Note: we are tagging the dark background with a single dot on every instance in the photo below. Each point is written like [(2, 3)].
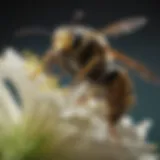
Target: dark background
[(143, 45)]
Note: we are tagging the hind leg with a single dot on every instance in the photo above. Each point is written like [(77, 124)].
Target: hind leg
[(119, 98)]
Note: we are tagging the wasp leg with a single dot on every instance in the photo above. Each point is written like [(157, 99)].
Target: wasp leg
[(119, 99), (83, 99), (47, 60), (82, 73)]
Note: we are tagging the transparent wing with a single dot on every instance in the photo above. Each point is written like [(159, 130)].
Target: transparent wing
[(124, 26), (135, 65)]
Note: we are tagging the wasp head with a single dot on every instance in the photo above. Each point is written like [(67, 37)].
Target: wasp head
[(62, 41)]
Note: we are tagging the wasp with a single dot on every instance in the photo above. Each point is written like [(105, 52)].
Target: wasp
[(85, 53)]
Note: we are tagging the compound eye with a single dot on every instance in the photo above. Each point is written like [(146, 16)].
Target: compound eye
[(77, 40)]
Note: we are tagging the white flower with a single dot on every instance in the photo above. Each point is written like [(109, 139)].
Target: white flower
[(81, 127)]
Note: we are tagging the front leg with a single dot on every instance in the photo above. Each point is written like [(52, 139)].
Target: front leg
[(47, 60)]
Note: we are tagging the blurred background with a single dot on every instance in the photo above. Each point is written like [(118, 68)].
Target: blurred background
[(143, 45)]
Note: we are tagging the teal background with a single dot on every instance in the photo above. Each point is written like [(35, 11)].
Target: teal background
[(143, 45)]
